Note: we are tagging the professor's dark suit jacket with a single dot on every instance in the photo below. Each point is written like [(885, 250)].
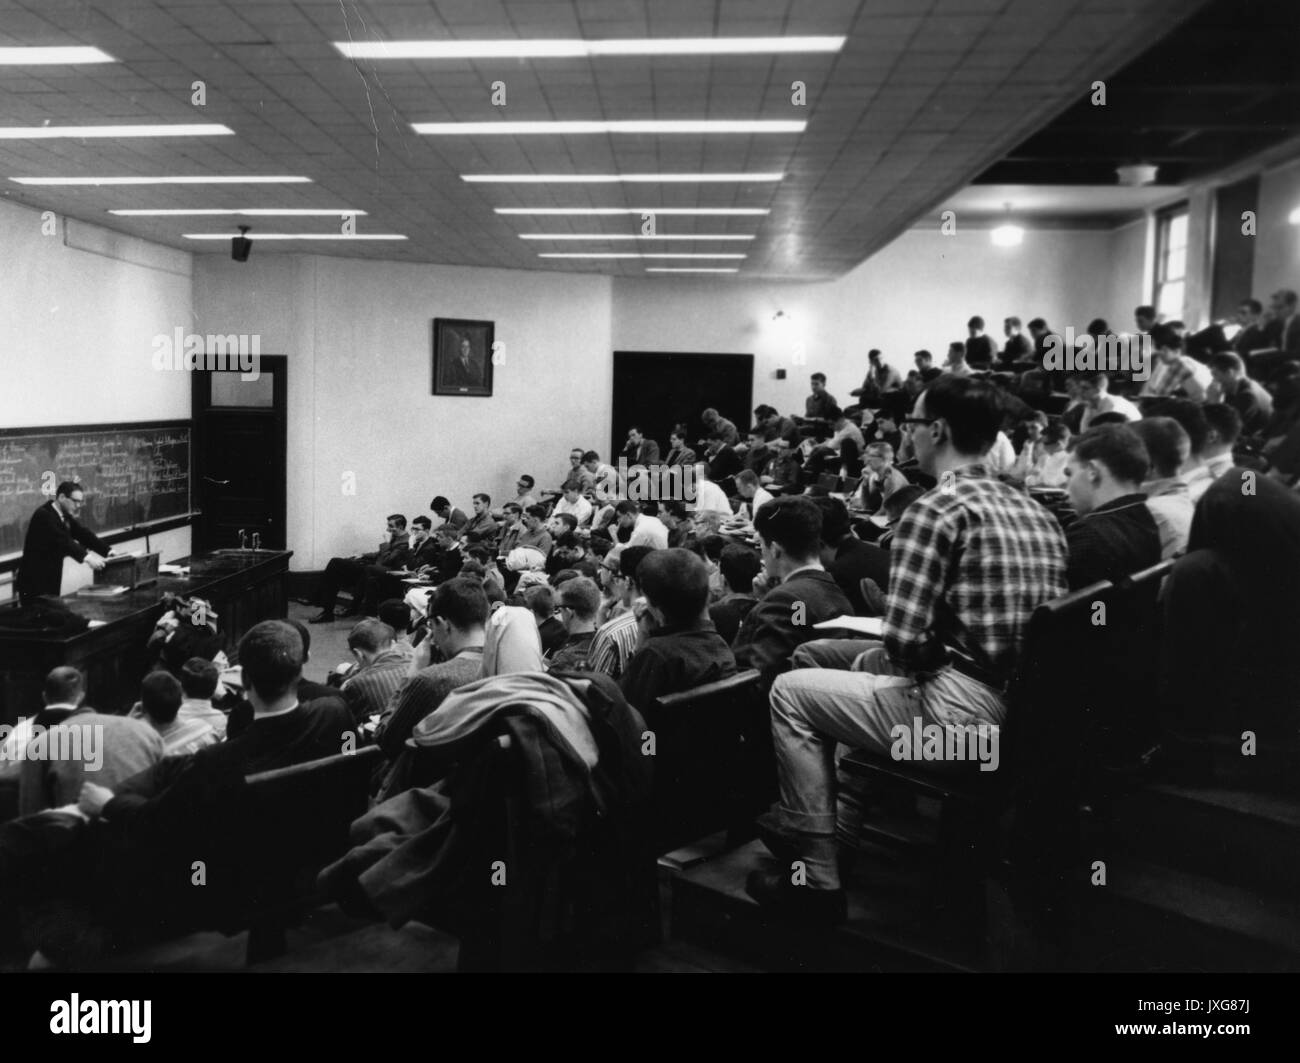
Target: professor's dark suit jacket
[(49, 540)]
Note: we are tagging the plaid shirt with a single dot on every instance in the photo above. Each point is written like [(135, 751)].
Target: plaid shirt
[(969, 563)]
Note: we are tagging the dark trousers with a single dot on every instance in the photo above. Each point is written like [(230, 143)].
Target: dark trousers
[(380, 585), (342, 573)]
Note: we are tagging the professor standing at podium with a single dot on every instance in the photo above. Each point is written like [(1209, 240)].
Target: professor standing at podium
[(53, 534)]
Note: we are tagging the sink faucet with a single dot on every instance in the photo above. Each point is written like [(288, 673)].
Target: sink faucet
[(243, 539), (257, 540)]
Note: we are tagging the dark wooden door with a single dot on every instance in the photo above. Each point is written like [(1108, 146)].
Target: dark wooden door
[(241, 431), (656, 390)]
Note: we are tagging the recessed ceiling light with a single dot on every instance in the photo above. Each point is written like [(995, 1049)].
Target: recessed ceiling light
[(58, 56), (628, 236), (618, 178), (251, 212), (296, 236), (605, 211), (692, 269), (652, 127), (575, 49), (628, 254), (1007, 235), (68, 181), (58, 132)]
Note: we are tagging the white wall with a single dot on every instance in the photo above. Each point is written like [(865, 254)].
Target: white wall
[(358, 336), (916, 293), (79, 307)]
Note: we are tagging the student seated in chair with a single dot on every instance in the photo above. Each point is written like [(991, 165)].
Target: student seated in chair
[(1116, 533), (970, 562), (681, 649), (350, 572)]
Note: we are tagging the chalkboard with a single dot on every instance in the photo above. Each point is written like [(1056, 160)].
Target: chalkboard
[(133, 475)]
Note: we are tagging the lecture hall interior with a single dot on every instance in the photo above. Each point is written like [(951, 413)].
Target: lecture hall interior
[(362, 364)]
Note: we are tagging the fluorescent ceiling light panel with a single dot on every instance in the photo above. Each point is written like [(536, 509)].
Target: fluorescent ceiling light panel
[(618, 178), (651, 127), (610, 211), (59, 132), (629, 254), (68, 181), (56, 56), (580, 49), (627, 236), (252, 212), (296, 236)]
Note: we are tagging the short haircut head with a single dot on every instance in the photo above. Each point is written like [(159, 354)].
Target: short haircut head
[(972, 409), (422, 522), (591, 455), (1118, 448), (66, 488), (1189, 414), (629, 560), (439, 503), (537, 511), (1145, 311), (1223, 419), (473, 569), (485, 499), (794, 522), (527, 481), (398, 518), (396, 614), (541, 600), (819, 377), (835, 519), (880, 450), (271, 655), (748, 477), (1164, 336), (674, 507), (1096, 377), (1252, 305), (1057, 432), (569, 521), (161, 696), (898, 501), (975, 322), (1038, 323), (676, 582), (199, 678), (923, 356), (512, 507), (627, 506), (582, 596), (739, 565), (64, 686), (1227, 362), (1014, 322), (461, 602), (1166, 442), (370, 635)]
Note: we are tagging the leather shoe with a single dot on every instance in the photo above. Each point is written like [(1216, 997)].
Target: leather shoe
[(322, 617), (798, 904), (779, 841)]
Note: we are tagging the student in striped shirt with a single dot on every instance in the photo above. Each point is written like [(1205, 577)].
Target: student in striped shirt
[(616, 640), (161, 695)]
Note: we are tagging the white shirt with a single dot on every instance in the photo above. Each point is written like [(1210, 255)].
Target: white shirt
[(649, 531), (849, 431), (14, 750), (1110, 404), (1002, 457), (581, 509), (1199, 478), (1048, 470), (710, 498), (761, 496)]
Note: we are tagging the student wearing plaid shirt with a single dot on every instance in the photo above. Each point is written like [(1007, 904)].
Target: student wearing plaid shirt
[(969, 563)]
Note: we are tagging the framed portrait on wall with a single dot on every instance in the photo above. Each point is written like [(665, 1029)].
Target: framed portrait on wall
[(462, 356)]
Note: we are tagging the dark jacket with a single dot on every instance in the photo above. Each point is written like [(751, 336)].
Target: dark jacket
[(579, 870), (784, 619), (855, 560), (49, 540), (1113, 541), (728, 614), (676, 659)]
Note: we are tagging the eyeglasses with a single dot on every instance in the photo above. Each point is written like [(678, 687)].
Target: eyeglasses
[(908, 422)]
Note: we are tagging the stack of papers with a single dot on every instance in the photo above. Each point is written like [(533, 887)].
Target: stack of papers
[(863, 625)]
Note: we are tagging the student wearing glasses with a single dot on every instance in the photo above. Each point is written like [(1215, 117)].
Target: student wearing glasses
[(53, 534)]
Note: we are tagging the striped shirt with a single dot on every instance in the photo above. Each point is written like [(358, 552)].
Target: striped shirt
[(613, 645), (969, 563), (368, 690)]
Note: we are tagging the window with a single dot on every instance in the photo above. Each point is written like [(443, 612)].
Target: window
[(1171, 262)]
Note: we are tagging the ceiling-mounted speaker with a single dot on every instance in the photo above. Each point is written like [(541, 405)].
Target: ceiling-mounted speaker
[(240, 245)]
